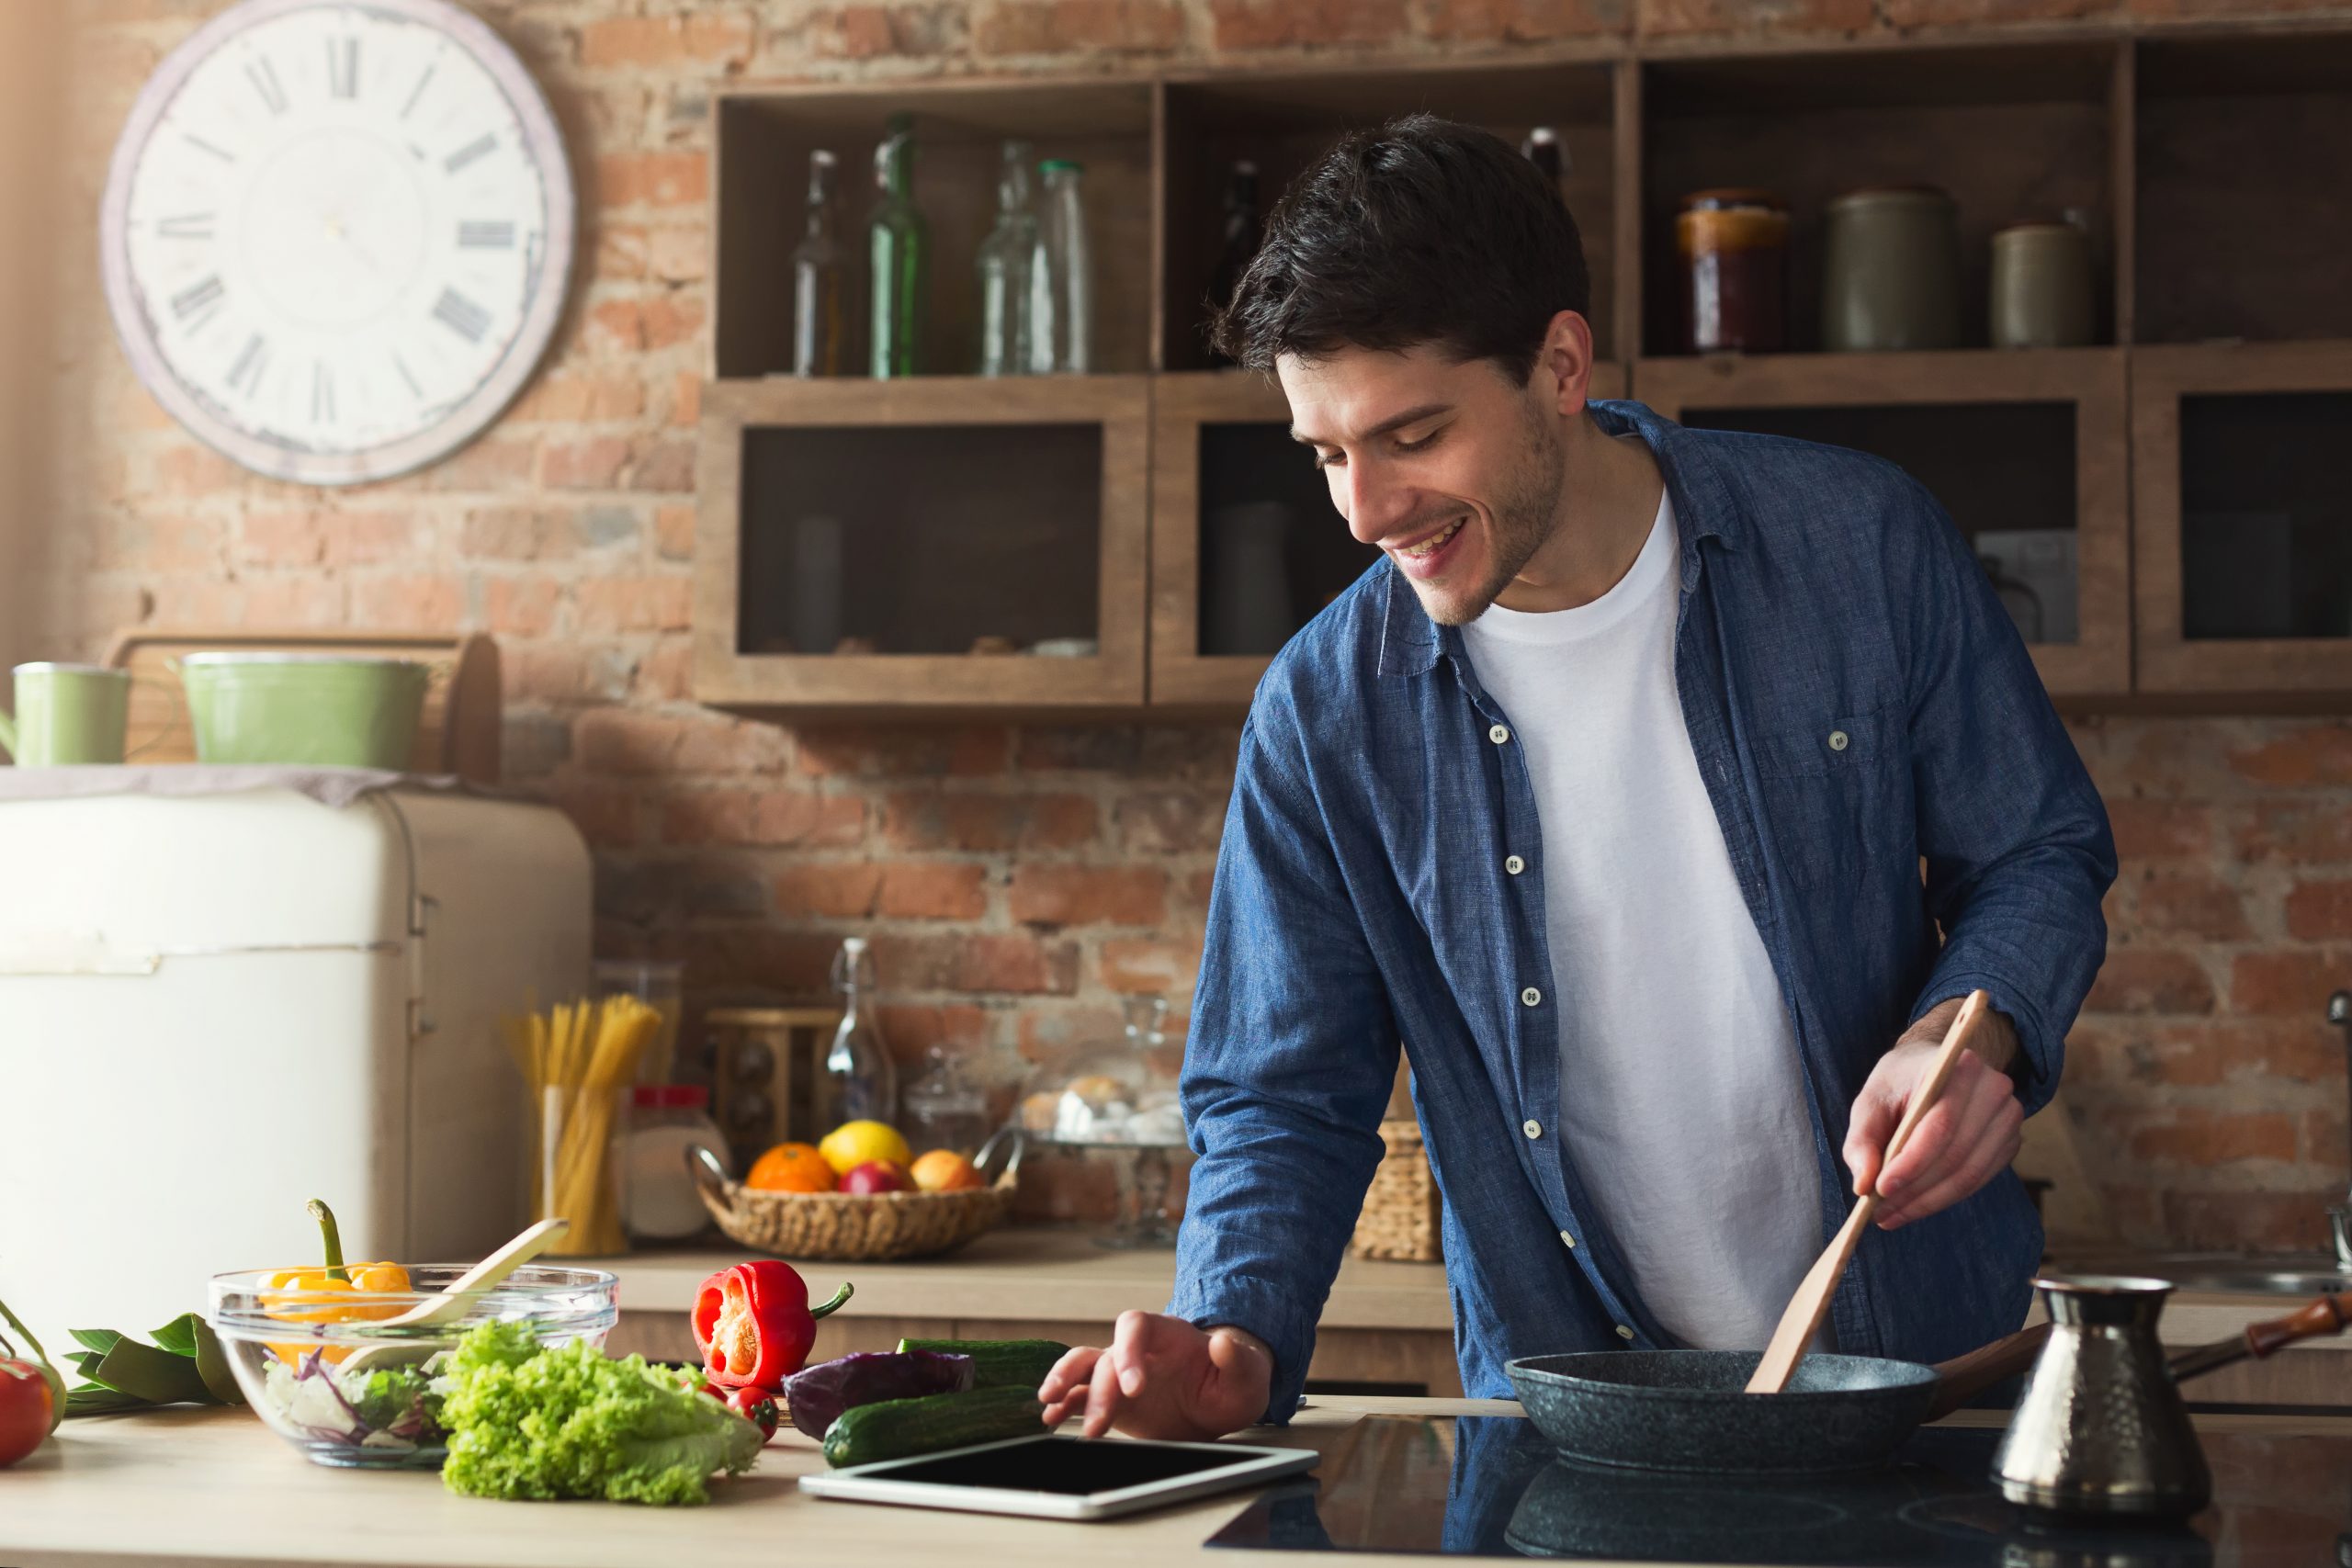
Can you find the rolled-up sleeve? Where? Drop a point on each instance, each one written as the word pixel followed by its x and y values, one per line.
pixel 2017 849
pixel 1287 1069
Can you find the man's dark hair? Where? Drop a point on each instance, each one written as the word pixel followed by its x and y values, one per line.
pixel 1422 231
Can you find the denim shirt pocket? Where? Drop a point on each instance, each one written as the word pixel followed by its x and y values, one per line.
pixel 1837 789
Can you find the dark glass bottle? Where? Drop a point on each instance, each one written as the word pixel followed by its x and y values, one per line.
pixel 896 245
pixel 817 278
pixel 1243 234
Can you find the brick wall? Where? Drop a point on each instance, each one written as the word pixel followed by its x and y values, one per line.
pixel 1023 879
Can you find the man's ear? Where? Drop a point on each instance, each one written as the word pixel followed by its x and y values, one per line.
pixel 1565 362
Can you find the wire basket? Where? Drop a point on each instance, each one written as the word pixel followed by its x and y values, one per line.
pixel 858 1227
pixel 1401 1209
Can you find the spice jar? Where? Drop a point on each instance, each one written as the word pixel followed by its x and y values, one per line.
pixel 2041 287
pixel 1891 272
pixel 1733 246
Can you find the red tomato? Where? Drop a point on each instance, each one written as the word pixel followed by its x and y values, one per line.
pixel 25 1409
pixel 756 1405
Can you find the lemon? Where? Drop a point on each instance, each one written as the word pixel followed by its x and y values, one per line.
pixel 854 1143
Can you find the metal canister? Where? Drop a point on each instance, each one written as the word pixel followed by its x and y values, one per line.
pixel 2041 287
pixel 1891 273
pixel 1732 247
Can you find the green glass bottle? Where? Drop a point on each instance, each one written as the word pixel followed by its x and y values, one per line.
pixel 896 246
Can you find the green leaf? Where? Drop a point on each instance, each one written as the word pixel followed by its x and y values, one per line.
pixel 94 1400
pixel 84 1362
pixel 100 1339
pixel 156 1376
pixel 178 1335
pixel 212 1365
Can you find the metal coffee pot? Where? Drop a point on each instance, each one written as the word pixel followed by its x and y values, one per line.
pixel 2101 1428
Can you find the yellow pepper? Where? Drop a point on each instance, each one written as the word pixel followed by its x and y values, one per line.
pixel 304 1287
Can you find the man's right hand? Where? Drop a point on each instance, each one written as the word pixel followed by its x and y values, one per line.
pixel 1163 1378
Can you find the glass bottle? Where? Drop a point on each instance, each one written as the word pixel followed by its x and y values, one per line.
pixel 817 277
pixel 945 1110
pixel 1543 149
pixel 895 248
pixel 1005 258
pixel 858 1083
pixel 1061 283
pixel 1243 234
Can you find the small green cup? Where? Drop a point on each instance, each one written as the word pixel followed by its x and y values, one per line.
pixel 66 714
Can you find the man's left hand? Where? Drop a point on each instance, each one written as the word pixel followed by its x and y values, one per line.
pixel 1970 1136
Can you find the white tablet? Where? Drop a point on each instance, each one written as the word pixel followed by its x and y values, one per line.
pixel 1061 1478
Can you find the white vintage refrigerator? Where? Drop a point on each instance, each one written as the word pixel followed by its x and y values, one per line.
pixel 215 1008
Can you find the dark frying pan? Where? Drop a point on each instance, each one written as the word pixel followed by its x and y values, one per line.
pixel 1689 1411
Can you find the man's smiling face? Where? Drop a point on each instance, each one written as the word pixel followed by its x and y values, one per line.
pixel 1449 467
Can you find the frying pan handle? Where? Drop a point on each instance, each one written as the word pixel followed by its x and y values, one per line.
pixel 1962 1378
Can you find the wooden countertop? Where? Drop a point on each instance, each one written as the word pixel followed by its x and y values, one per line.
pixel 206 1486
pixel 1036 1275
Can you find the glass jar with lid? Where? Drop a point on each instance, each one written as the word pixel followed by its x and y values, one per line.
pixel 1115 1101
pixel 1732 246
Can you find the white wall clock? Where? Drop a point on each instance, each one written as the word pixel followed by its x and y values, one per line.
pixel 337 233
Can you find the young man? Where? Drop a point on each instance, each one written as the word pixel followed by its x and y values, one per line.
pixel 1607 792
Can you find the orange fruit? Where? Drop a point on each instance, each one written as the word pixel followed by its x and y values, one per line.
pixel 856 1142
pixel 944 1171
pixel 791 1168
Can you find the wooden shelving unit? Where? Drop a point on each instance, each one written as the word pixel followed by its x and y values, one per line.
pixel 2206 161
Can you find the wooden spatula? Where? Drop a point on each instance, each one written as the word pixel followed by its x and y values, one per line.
pixel 1811 1303
pixel 453 1298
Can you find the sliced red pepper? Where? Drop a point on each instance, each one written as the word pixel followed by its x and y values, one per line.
pixel 753 1325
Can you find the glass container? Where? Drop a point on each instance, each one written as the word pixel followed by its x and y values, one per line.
pixel 943 1108
pixel 1061 283
pixel 660 985
pixel 1005 258
pixel 665 1121
pixel 816 317
pixel 1733 249
pixel 1115 1101
pixel 1891 272
pixel 897 244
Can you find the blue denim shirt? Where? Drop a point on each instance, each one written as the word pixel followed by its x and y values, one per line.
pixel 1857 701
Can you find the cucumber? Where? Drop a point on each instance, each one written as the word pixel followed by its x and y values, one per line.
pixel 999 1363
pixel 899 1428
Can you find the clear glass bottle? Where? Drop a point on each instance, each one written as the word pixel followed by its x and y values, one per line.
pixel 1061 282
pixel 1243 234
pixel 895 247
pixel 859 1083
pixel 817 277
pixel 945 1110
pixel 1005 258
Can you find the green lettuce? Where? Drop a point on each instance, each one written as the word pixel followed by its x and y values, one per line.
pixel 530 1423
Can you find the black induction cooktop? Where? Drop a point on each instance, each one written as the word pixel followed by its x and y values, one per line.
pixel 1489 1486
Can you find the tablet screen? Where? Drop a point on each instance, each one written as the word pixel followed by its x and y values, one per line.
pixel 1069 1465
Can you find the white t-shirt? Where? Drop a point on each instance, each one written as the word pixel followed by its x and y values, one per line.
pixel 1681 1096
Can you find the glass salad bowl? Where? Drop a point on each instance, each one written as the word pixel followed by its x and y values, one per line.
pixel 329 1372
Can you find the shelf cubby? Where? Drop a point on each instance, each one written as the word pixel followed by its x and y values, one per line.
pixel 2030 444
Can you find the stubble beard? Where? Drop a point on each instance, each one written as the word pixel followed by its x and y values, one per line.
pixel 1525 513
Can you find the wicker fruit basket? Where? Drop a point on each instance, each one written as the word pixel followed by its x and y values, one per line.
pixel 858 1227
pixel 1401 1209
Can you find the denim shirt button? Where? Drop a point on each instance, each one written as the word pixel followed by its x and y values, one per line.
pixel 1531 996
pixel 1569 1239
pixel 1532 1128
pixel 1513 864
pixel 1836 740
pixel 1499 735
pixel 1623 1332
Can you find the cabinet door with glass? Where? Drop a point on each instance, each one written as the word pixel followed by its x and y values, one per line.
pixel 898 546
pixel 2244 580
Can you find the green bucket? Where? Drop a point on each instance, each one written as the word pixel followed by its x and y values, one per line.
pixel 319 710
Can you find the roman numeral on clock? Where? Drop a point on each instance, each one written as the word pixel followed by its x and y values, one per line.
pixel 244 375
pixel 461 315
pixel 185 226
pixel 343 67
pixel 479 234
pixel 264 76
pixel 481 146
pixel 322 392
pixel 195 304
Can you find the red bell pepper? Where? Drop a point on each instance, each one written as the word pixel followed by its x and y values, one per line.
pixel 753 1324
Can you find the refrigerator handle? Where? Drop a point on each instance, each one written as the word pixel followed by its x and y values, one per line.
pixel 422 910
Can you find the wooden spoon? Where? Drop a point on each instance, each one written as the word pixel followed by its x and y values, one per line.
pixel 451 1299
pixel 1802 1319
